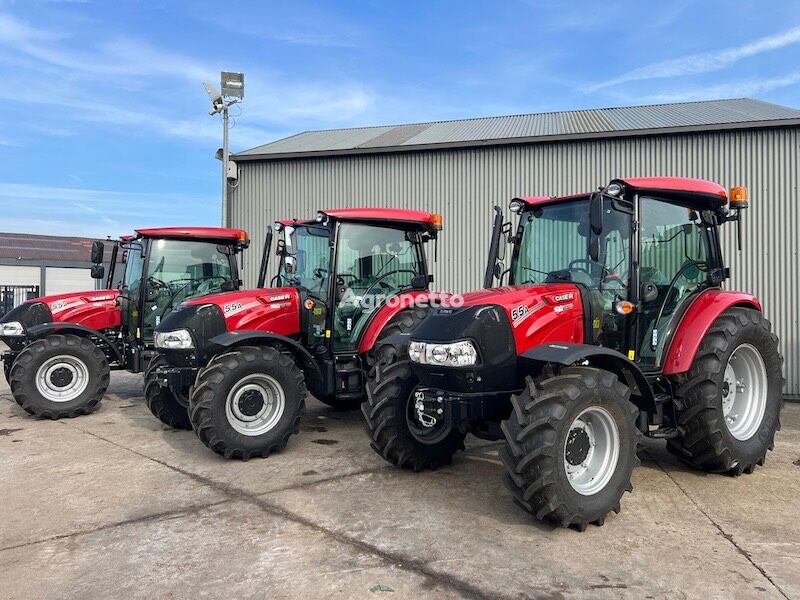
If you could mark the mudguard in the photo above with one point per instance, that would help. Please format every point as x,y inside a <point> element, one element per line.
<point>695,323</point>
<point>386,311</point>
<point>38,331</point>
<point>604,358</point>
<point>232,339</point>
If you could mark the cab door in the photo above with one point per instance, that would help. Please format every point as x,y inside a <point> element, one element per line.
<point>674,269</point>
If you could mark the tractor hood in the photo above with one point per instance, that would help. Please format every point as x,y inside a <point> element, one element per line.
<point>97,309</point>
<point>535,314</point>
<point>500,323</point>
<point>274,310</point>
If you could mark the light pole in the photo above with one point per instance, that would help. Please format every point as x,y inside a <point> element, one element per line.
<point>232,86</point>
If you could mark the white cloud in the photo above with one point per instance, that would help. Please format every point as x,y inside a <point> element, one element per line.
<point>705,62</point>
<point>752,87</point>
<point>118,83</point>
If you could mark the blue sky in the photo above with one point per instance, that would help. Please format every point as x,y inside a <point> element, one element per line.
<point>105,125</point>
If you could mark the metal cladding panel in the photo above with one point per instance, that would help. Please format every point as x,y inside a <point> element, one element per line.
<point>464,184</point>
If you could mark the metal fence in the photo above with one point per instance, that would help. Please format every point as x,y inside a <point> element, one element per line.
<point>14,295</point>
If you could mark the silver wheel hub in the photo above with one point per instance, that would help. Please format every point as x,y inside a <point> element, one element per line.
<point>744,392</point>
<point>62,378</point>
<point>591,450</point>
<point>255,404</point>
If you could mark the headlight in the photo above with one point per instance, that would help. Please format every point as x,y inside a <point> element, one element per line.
<point>14,328</point>
<point>180,339</point>
<point>457,354</point>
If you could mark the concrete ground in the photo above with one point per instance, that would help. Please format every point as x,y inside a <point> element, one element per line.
<point>116,505</point>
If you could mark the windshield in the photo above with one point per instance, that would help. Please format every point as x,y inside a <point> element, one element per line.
<point>306,262</point>
<point>555,242</point>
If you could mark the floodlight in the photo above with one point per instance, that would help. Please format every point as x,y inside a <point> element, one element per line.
<point>232,84</point>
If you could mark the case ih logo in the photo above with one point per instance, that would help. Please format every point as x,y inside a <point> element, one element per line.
<point>564,297</point>
<point>279,298</point>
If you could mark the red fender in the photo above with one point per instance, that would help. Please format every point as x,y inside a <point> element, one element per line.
<point>394,305</point>
<point>696,322</point>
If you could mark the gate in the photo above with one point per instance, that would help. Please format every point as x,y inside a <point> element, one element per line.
<point>14,295</point>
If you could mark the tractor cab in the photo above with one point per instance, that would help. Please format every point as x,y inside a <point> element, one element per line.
<point>347,263</point>
<point>639,251</point>
<point>165,266</point>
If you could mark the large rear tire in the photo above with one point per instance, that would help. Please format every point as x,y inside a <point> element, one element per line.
<point>405,321</point>
<point>60,376</point>
<point>729,401</point>
<point>389,417</point>
<point>248,402</point>
<point>571,447</point>
<point>170,409</point>
<point>7,371</point>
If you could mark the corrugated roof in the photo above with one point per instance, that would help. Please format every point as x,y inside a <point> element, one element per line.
<point>55,249</point>
<point>600,122</point>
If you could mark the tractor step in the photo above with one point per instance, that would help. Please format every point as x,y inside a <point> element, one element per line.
<point>664,433</point>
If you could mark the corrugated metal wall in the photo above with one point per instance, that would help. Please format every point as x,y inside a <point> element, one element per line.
<point>464,184</point>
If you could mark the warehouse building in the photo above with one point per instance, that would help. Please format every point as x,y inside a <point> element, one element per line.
<point>40,265</point>
<point>462,168</point>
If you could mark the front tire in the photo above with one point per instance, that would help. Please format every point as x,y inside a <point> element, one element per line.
<point>60,376</point>
<point>248,402</point>
<point>388,417</point>
<point>571,447</point>
<point>729,401</point>
<point>167,407</point>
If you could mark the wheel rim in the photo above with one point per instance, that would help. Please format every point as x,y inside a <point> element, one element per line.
<point>422,429</point>
<point>62,378</point>
<point>744,392</point>
<point>591,450</point>
<point>255,404</point>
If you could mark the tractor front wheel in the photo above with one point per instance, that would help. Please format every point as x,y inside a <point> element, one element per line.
<point>248,402</point>
<point>398,431</point>
<point>729,402</point>
<point>169,408</point>
<point>571,446</point>
<point>59,376</point>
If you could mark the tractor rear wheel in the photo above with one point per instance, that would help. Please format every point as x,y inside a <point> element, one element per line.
<point>729,401</point>
<point>248,402</point>
<point>571,446</point>
<point>405,321</point>
<point>169,408</point>
<point>59,376</point>
<point>392,422</point>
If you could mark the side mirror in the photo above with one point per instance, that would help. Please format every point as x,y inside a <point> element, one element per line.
<point>420,282</point>
<point>649,292</point>
<point>98,271</point>
<point>97,254</point>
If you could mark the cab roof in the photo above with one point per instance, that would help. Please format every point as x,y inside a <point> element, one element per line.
<point>695,192</point>
<point>201,233</point>
<point>399,215</point>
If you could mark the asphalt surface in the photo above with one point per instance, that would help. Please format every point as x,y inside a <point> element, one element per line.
<point>116,505</point>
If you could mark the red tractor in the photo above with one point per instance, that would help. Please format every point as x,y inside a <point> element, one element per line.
<point>63,347</point>
<point>613,326</point>
<point>245,359</point>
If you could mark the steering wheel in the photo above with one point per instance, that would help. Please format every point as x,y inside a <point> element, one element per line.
<point>157,283</point>
<point>386,286</point>
<point>572,266</point>
<point>350,275</point>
